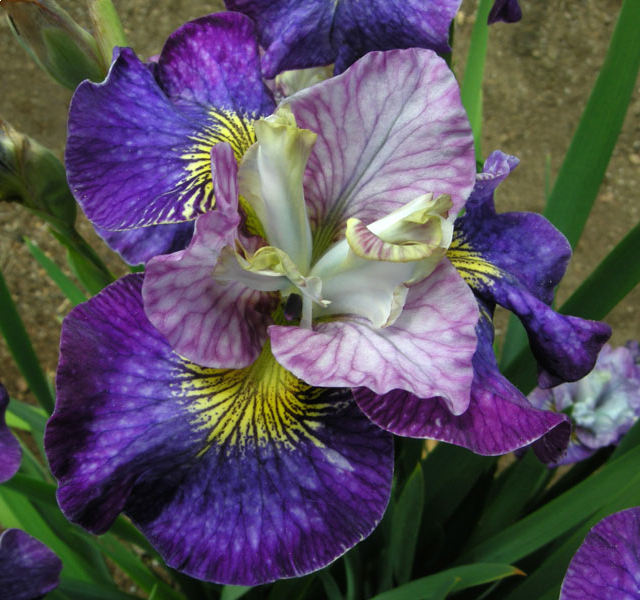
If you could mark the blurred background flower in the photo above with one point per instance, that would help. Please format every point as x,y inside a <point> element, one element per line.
<point>602,406</point>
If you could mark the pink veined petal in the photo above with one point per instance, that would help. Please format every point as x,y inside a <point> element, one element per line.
<point>213,324</point>
<point>390,128</point>
<point>427,351</point>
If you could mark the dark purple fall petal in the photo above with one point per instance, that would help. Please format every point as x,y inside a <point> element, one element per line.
<point>517,260</point>
<point>28,569</point>
<point>10,452</point>
<point>297,35</point>
<point>498,420</point>
<point>138,151</point>
<point>235,476</point>
<point>607,564</point>
<point>136,246</point>
<point>508,11</point>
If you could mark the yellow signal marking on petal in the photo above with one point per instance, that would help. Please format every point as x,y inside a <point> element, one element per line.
<point>472,267</point>
<point>260,405</point>
<point>196,194</point>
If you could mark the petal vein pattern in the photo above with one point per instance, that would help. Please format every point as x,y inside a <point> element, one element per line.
<point>138,152</point>
<point>516,260</point>
<point>390,129</point>
<point>238,477</point>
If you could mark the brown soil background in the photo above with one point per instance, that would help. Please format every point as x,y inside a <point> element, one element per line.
<point>538,76</point>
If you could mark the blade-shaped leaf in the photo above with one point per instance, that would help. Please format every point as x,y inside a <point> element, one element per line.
<point>20,347</point>
<point>73,293</point>
<point>560,515</point>
<point>458,578</point>
<point>405,525</point>
<point>471,89</point>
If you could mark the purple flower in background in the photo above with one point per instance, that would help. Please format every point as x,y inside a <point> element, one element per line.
<point>28,569</point>
<point>607,564</point>
<point>235,465</point>
<point>138,151</point>
<point>297,35</point>
<point>508,11</point>
<point>602,406</point>
<point>515,260</point>
<point>10,452</point>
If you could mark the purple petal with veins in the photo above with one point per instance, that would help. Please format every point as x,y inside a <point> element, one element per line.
<point>28,569</point>
<point>607,564</point>
<point>498,420</point>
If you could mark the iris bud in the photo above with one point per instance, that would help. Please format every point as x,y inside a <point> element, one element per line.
<point>31,175</point>
<point>66,51</point>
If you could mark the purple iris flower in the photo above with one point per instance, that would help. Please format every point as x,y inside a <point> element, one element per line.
<point>297,35</point>
<point>602,406</point>
<point>238,469</point>
<point>138,151</point>
<point>28,569</point>
<point>607,564</point>
<point>10,452</point>
<point>515,260</point>
<point>508,11</point>
<point>213,403</point>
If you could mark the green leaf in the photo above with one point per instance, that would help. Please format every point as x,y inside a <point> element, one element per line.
<point>471,89</point>
<point>513,490</point>
<point>331,588</point>
<point>135,568</point>
<point>20,347</point>
<point>34,416</point>
<point>405,525</point>
<point>92,591</point>
<point>586,160</point>
<point>16,422</point>
<point>560,515</point>
<point>233,592</point>
<point>73,293</point>
<point>462,577</point>
<point>84,263</point>
<point>611,281</point>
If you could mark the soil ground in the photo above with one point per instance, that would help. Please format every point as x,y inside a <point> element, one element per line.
<point>539,74</point>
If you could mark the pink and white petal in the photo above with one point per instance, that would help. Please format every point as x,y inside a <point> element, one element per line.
<point>213,324</point>
<point>427,351</point>
<point>390,128</point>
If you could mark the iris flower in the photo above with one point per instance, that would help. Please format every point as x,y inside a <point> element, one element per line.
<point>28,569</point>
<point>238,467</point>
<point>298,35</point>
<point>607,564</point>
<point>223,404</point>
<point>602,406</point>
<point>138,151</point>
